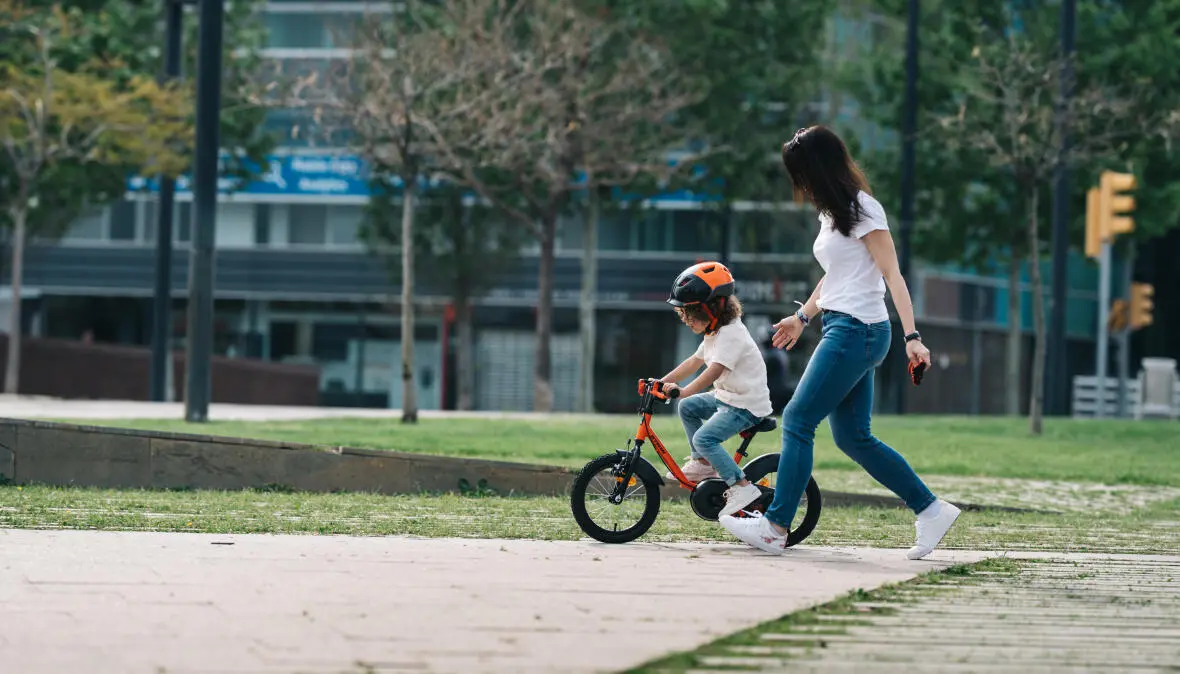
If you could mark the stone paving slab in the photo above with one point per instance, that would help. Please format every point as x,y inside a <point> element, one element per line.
<point>1068,613</point>
<point>126,603</point>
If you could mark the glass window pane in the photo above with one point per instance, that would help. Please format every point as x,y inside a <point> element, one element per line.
<point>344,224</point>
<point>88,226</point>
<point>774,232</point>
<point>696,231</point>
<point>614,230</point>
<point>651,229</point>
<point>123,217</point>
<point>308,224</point>
<point>184,222</point>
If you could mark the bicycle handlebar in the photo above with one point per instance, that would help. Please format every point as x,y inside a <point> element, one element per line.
<point>656,388</point>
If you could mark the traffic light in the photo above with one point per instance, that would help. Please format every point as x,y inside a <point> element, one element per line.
<point>1117,321</point>
<point>1106,210</point>
<point>1141,305</point>
<point>1094,233</point>
<point>1113,203</point>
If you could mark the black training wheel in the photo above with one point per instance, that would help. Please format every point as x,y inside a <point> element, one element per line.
<point>598,516</point>
<point>762,471</point>
<point>708,498</point>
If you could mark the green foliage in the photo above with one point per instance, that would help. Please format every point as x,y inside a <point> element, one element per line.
<point>756,65</point>
<point>120,42</point>
<point>968,210</point>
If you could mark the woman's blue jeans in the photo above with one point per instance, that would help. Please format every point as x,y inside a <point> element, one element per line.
<point>838,384</point>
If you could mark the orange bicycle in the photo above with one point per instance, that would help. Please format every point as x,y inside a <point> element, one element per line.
<point>616,497</point>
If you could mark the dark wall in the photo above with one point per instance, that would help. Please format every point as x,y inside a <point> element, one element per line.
<point>286,274</point>
<point>74,369</point>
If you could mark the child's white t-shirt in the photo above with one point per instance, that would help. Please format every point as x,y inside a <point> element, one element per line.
<point>743,384</point>
<point>853,283</point>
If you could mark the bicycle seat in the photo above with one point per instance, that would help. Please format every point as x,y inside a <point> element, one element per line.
<point>765,425</point>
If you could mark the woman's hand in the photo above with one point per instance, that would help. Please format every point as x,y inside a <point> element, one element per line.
<point>917,351</point>
<point>787,332</point>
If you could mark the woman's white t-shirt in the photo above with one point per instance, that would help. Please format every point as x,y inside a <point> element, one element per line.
<point>853,284</point>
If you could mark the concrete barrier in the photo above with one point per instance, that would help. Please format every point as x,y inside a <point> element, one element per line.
<point>95,456</point>
<point>43,452</point>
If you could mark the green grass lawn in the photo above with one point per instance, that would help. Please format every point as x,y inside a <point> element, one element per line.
<point>1154,529</point>
<point>1109,452</point>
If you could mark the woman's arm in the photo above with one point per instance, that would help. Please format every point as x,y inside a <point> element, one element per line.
<point>880,245</point>
<point>811,308</point>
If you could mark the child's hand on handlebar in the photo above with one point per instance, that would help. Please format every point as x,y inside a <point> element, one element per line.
<point>668,388</point>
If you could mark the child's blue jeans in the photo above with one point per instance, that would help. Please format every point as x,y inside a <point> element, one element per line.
<point>708,423</point>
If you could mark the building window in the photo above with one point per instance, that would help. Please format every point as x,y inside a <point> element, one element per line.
<point>696,230</point>
<point>307,224</point>
<point>90,226</point>
<point>773,232</point>
<point>123,220</point>
<point>344,224</point>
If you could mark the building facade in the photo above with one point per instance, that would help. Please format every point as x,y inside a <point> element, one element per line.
<point>293,282</point>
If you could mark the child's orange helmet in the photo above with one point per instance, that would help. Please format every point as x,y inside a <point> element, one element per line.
<point>700,283</point>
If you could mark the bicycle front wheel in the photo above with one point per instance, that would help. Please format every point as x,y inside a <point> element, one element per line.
<point>599,516</point>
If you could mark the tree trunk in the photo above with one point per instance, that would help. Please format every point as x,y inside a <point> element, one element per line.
<point>1014,335</point>
<point>542,388</point>
<point>1037,390</point>
<point>465,355</point>
<point>409,392</point>
<point>12,372</point>
<point>587,304</point>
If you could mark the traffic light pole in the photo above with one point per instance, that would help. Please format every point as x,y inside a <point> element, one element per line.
<point>199,347</point>
<point>1125,334</point>
<point>1103,330</point>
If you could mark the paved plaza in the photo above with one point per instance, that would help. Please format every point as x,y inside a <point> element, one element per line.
<point>146,603</point>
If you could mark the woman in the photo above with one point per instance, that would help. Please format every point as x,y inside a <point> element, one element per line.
<point>856,251</point>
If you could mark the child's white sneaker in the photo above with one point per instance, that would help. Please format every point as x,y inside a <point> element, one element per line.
<point>755,530</point>
<point>695,470</point>
<point>738,498</point>
<point>932,525</point>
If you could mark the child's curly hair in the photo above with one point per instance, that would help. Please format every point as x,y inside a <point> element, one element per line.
<point>726,309</point>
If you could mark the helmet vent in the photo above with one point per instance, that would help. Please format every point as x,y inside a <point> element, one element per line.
<point>709,269</point>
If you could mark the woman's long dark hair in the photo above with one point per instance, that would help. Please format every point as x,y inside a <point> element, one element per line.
<point>823,173</point>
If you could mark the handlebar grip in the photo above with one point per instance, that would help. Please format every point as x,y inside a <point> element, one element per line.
<point>674,393</point>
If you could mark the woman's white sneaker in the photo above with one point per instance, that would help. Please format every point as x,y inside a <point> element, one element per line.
<point>932,525</point>
<point>755,530</point>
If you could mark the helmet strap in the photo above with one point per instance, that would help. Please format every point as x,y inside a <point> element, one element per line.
<point>713,318</point>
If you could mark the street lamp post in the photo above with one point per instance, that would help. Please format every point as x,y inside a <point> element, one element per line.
<point>199,346</point>
<point>162,301</point>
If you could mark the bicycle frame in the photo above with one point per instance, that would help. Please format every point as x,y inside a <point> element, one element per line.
<point>652,390</point>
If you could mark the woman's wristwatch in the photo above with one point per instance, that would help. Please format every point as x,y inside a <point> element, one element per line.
<point>913,336</point>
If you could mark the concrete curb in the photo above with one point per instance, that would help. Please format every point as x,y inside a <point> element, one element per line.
<point>60,454</point>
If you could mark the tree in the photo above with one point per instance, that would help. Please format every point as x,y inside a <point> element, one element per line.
<point>119,39</point>
<point>969,212</point>
<point>51,116</point>
<point>563,103</point>
<point>1013,113</point>
<point>462,247</point>
<point>396,81</point>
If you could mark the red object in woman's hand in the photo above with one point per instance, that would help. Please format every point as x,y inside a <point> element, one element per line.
<point>917,369</point>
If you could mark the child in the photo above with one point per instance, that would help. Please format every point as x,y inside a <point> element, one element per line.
<point>704,300</point>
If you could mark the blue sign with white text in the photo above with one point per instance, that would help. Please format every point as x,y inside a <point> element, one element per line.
<point>292,175</point>
<point>334,175</point>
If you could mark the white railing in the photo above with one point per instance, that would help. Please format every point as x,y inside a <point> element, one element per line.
<point>1085,397</point>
